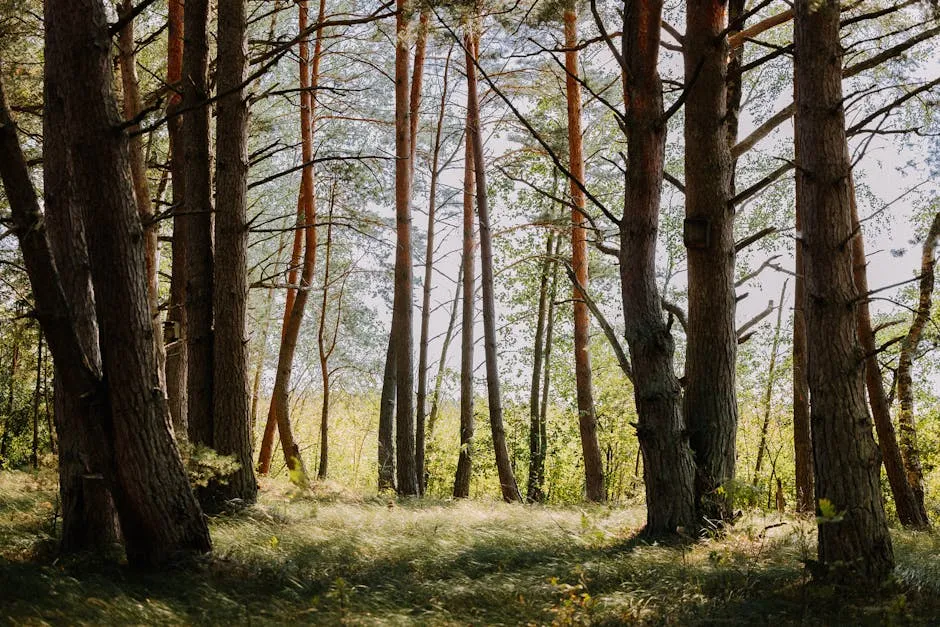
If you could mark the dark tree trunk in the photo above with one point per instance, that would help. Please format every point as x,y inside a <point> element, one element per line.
<point>769,390</point>
<point>710,404</point>
<point>387,418</point>
<point>844,451</point>
<point>195,234</point>
<point>402,331</point>
<point>507,480</point>
<point>324,348</point>
<point>231,433</point>
<point>547,375</point>
<point>587,420</point>
<point>667,462</point>
<point>467,426</point>
<point>534,492</point>
<point>34,453</point>
<point>175,333</point>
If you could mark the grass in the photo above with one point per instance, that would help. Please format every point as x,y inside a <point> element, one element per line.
<point>330,557</point>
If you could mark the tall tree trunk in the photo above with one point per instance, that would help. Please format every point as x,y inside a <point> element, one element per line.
<point>769,390</point>
<point>422,395</point>
<point>587,420</point>
<point>710,403</point>
<point>324,350</point>
<point>802,432</point>
<point>844,451</point>
<point>387,418</point>
<point>402,331</point>
<point>667,462</point>
<point>231,421</point>
<point>34,454</point>
<point>910,506</point>
<point>175,336</point>
<point>159,514</point>
<point>467,426</point>
<point>262,351</point>
<point>534,488</point>
<point>906,423</point>
<point>89,518</point>
<point>280,407</point>
<point>127,59</point>
<point>507,480</point>
<point>195,234</point>
<point>547,375</point>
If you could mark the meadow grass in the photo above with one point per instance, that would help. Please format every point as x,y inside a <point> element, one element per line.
<point>330,556</point>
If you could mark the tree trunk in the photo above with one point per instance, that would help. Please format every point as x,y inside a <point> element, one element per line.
<point>34,454</point>
<point>231,420</point>
<point>422,395</point>
<point>910,507</point>
<point>467,426</point>
<point>175,335</point>
<point>534,488</point>
<point>667,462</point>
<point>587,420</point>
<point>906,423</point>
<point>802,432</point>
<point>507,480</point>
<point>769,390</point>
<point>127,60</point>
<point>324,351</point>
<point>547,376</point>
<point>387,418</point>
<point>710,403</point>
<point>846,457</point>
<point>402,332</point>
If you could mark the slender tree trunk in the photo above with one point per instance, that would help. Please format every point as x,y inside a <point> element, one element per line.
<point>127,59</point>
<point>262,351</point>
<point>402,331</point>
<point>587,420</point>
<point>547,376</point>
<point>906,423</point>
<point>710,404</point>
<point>910,507</point>
<point>802,432</point>
<point>34,454</point>
<point>769,390</point>
<point>387,418</point>
<point>195,234</point>
<point>846,457</point>
<point>324,350</point>
<point>231,420</point>
<point>467,426</point>
<point>507,480</point>
<point>422,400</point>
<point>309,73</point>
<point>667,462</point>
<point>175,335</point>
<point>534,489</point>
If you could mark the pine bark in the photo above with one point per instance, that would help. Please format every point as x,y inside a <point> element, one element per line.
<point>667,462</point>
<point>855,543</point>
<point>507,479</point>
<point>710,402</point>
<point>387,418</point>
<point>587,420</point>
<point>534,492</point>
<point>231,421</point>
<point>195,234</point>
<point>467,426</point>
<point>402,332</point>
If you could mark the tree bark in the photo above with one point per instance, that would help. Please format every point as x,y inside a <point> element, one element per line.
<point>467,426</point>
<point>127,59</point>
<point>667,463</point>
<point>534,492</point>
<point>175,335</point>
<point>587,420</point>
<point>547,375</point>
<point>856,541</point>
<point>231,421</point>
<point>402,332</point>
<point>507,480</point>
<point>325,350</point>
<point>906,423</point>
<point>387,418</point>
<point>710,403</point>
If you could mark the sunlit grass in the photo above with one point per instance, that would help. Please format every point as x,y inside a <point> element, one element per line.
<point>331,556</point>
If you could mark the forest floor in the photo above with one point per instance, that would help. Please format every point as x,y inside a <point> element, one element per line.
<point>329,557</point>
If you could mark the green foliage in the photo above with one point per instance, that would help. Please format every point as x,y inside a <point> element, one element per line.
<point>204,464</point>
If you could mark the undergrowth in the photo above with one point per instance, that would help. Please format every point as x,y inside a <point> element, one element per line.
<point>329,556</point>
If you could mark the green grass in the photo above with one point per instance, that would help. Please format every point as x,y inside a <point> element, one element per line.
<point>330,557</point>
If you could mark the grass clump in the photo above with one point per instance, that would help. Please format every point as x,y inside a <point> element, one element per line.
<point>331,556</point>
